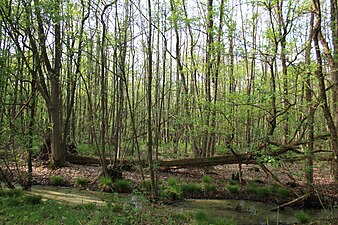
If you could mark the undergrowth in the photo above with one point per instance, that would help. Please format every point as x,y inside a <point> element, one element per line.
<point>202,218</point>
<point>56,180</point>
<point>20,208</point>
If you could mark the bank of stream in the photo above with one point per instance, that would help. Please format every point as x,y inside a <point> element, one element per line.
<point>240,212</point>
<point>244,212</point>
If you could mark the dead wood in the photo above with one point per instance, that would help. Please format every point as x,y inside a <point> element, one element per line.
<point>293,202</point>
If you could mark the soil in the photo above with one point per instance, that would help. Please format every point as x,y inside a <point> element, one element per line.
<point>291,175</point>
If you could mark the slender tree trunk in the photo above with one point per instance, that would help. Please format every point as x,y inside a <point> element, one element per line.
<point>149,104</point>
<point>310,110</point>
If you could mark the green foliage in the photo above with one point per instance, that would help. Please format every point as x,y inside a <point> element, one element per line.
<point>30,210</point>
<point>171,192</point>
<point>173,181</point>
<point>279,190</point>
<point>85,149</point>
<point>263,191</point>
<point>191,188</point>
<point>251,188</point>
<point>56,180</point>
<point>106,184</point>
<point>206,179</point>
<point>203,218</point>
<point>32,199</point>
<point>233,188</point>
<point>256,189</point>
<point>122,186</point>
<point>11,193</point>
<point>303,217</point>
<point>209,187</point>
<point>146,185</point>
<point>82,182</point>
<point>233,182</point>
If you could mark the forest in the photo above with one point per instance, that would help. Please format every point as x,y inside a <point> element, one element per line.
<point>164,87</point>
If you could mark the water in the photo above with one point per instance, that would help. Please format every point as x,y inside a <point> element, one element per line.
<point>250,212</point>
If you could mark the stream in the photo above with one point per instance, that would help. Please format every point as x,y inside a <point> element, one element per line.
<point>244,212</point>
<point>241,212</point>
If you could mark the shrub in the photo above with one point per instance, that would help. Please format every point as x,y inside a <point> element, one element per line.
<point>209,187</point>
<point>172,181</point>
<point>56,180</point>
<point>171,192</point>
<point>206,179</point>
<point>276,189</point>
<point>191,188</point>
<point>32,199</point>
<point>82,182</point>
<point>122,186</point>
<point>251,188</point>
<point>303,217</point>
<point>263,191</point>
<point>233,188</point>
<point>106,184</point>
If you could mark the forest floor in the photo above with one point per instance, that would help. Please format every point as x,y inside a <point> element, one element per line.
<point>291,175</point>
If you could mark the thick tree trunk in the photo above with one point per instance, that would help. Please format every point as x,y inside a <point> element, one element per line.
<point>330,118</point>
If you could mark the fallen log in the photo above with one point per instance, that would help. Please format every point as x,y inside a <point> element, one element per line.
<point>239,158</point>
<point>94,160</point>
<point>210,161</point>
<point>293,202</point>
<point>177,163</point>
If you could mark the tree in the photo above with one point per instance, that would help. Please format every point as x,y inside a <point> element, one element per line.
<point>48,85</point>
<point>332,58</point>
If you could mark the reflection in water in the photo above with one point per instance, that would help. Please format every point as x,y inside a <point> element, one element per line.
<point>249,212</point>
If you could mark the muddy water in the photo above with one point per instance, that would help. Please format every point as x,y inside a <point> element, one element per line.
<point>250,212</point>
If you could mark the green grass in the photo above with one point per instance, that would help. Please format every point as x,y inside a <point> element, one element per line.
<point>11,193</point>
<point>254,188</point>
<point>251,188</point>
<point>233,188</point>
<point>233,182</point>
<point>173,181</point>
<point>171,193</point>
<point>106,184</point>
<point>190,188</point>
<point>303,217</point>
<point>146,185</point>
<point>263,191</point>
<point>56,180</point>
<point>202,218</point>
<point>26,209</point>
<point>32,199</point>
<point>206,179</point>
<point>82,182</point>
<point>122,186</point>
<point>279,190</point>
<point>85,149</point>
<point>209,187</point>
